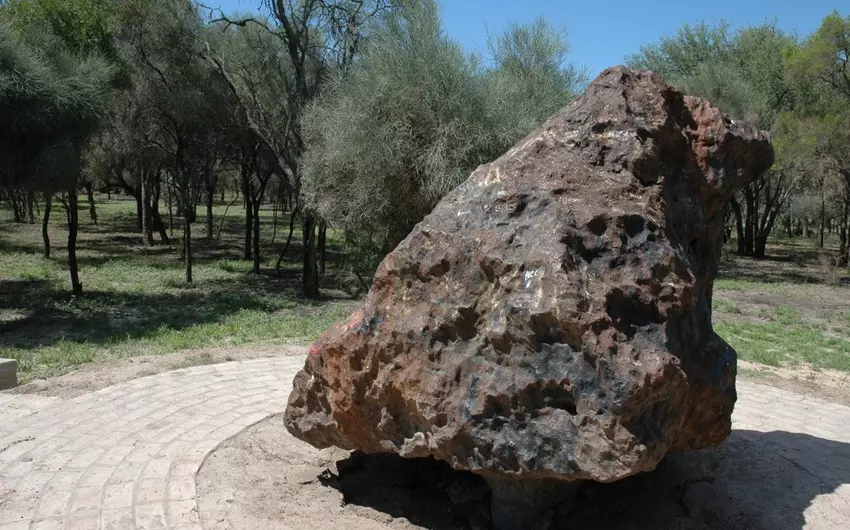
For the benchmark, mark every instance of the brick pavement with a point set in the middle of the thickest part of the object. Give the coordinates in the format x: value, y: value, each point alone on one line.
x: 126, y: 457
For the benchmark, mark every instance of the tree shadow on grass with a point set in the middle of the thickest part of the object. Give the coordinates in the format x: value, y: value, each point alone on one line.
x: 788, y: 262
x: 755, y: 480
x: 134, y: 296
x: 10, y: 246
x: 46, y: 315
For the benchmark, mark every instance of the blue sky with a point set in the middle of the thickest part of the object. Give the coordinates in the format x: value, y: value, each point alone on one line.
x: 604, y: 32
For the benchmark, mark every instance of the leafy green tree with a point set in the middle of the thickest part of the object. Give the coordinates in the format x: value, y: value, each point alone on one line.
x: 317, y: 38
x: 414, y: 115
x: 398, y: 130
x: 185, y: 103
x: 54, y: 99
x: 824, y: 58
x: 743, y: 72
x: 677, y: 58
x: 530, y: 79
x: 82, y: 25
x: 819, y: 71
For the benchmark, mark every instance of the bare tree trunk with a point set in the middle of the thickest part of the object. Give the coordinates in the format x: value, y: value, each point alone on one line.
x: 256, y: 202
x: 156, y: 218
x: 48, y: 203
x: 771, y: 193
x: 323, y: 233
x: 170, y: 193
x: 751, y: 204
x: 147, y: 233
x: 274, y: 219
x: 822, y: 219
x: 739, y: 226
x: 256, y: 236
x: 13, y: 200
x: 20, y: 207
x: 760, y: 247
x: 249, y: 210
x: 210, y: 232
x: 187, y: 248
x: 90, y: 197
x: 137, y: 194
x: 31, y: 205
x: 310, y: 270
x: 223, y: 217
x: 288, y: 240
x: 844, y: 251
x: 73, y: 224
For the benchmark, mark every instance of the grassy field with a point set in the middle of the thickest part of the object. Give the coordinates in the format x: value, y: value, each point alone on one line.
x: 136, y: 301
x: 792, y: 308
x: 789, y: 309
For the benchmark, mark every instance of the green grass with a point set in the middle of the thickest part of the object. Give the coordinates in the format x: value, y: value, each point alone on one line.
x: 788, y: 337
x: 136, y: 301
x: 777, y: 344
x: 786, y: 316
x: 722, y: 306
x: 786, y: 310
x: 135, y: 298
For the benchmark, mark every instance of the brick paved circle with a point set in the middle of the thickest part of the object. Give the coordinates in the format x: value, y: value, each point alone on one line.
x: 126, y: 457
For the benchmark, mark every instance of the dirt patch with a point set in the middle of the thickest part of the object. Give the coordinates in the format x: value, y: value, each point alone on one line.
x: 94, y: 376
x: 263, y: 479
x: 813, y: 302
x: 829, y: 385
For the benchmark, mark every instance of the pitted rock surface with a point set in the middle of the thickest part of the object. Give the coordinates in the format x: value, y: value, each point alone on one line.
x: 551, y: 318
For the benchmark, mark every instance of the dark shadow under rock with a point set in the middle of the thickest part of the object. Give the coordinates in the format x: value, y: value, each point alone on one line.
x: 263, y: 479
x: 423, y: 490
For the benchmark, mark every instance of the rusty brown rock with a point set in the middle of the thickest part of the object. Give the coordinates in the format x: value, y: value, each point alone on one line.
x: 551, y: 318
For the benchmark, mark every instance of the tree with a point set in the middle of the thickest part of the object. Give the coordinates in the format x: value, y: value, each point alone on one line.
x: 123, y: 156
x: 55, y: 99
x: 743, y: 73
x: 258, y: 70
x: 824, y: 58
x: 187, y: 103
x: 819, y: 70
x: 415, y: 115
x: 317, y: 37
x: 530, y: 79
x: 677, y: 58
x: 81, y: 25
x: 397, y: 131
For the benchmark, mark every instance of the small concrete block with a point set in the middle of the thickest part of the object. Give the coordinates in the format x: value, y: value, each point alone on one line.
x: 8, y: 373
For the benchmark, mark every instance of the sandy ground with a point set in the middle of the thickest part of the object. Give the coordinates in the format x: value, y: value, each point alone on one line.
x: 263, y: 477
x: 829, y: 385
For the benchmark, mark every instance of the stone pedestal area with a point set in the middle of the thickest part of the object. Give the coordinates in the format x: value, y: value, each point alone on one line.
x: 8, y: 373
x: 550, y: 320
